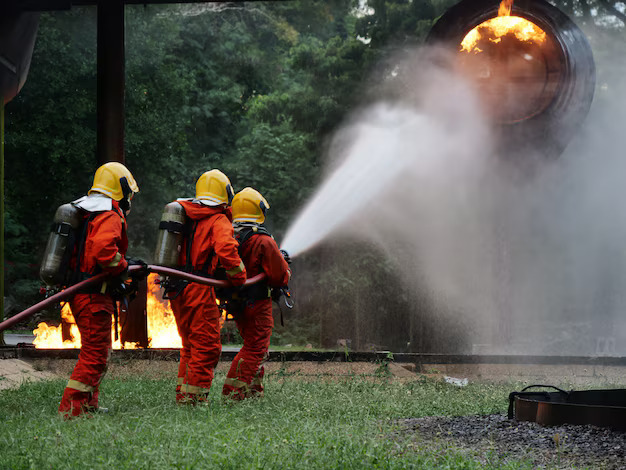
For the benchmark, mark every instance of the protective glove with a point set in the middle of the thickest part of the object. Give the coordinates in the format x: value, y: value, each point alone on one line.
x: 286, y: 256
x: 120, y: 289
x: 220, y: 273
x: 140, y: 273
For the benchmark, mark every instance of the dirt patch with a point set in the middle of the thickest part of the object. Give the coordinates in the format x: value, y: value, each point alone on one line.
x: 14, y: 372
x: 564, y: 446
x: 12, y: 375
x: 339, y: 369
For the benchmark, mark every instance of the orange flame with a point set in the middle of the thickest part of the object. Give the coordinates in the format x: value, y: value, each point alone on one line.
x: 51, y: 337
x: 495, y: 29
x: 505, y: 8
x: 162, y: 329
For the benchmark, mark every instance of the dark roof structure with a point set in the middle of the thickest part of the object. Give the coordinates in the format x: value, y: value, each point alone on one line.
x: 18, y: 30
x: 50, y: 5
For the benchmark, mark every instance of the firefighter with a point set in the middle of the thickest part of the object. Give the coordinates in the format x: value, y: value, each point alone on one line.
x: 101, y: 248
x: 260, y: 254
x: 209, y: 242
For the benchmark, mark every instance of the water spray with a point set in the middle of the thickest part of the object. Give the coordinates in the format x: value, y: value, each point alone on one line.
x: 364, y: 175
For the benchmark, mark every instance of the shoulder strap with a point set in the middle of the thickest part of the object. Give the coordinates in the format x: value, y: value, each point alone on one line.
x: 190, y: 238
x: 245, y: 233
x: 82, y: 239
x: 204, y: 270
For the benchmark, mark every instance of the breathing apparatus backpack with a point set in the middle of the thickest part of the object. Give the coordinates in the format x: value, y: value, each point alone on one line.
x: 67, y: 241
x: 66, y: 225
x: 235, y: 300
x: 174, y: 229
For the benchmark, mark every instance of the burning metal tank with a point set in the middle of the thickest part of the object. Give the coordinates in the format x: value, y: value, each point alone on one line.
x: 532, y: 66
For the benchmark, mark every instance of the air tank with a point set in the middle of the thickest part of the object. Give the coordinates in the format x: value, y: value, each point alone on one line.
x: 171, y: 236
x: 56, y: 258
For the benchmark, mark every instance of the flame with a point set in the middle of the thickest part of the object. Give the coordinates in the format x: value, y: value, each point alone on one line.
x: 505, y: 8
x: 162, y: 329
x: 51, y: 337
x: 495, y: 29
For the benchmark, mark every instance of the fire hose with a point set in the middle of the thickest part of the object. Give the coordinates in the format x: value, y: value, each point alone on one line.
x: 70, y: 291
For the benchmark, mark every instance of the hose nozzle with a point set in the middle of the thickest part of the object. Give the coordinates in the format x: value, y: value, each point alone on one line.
x: 286, y: 256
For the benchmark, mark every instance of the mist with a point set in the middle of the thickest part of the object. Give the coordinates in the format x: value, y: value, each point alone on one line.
x: 527, y: 257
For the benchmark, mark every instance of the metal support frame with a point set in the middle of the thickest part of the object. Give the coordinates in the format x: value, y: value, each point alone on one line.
x: 51, y: 5
x: 110, y: 138
x: 1, y: 215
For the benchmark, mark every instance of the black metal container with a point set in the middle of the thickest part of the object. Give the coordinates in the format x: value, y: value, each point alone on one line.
x: 603, y: 408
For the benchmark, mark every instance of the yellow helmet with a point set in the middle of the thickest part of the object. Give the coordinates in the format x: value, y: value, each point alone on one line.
x: 214, y: 187
x: 249, y: 206
x: 114, y: 180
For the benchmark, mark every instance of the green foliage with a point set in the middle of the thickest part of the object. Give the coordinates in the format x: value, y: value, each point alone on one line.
x: 277, y: 161
x: 250, y: 89
x: 146, y: 429
x: 50, y: 128
x: 298, y: 331
x: 400, y: 21
x: 158, y: 115
x: 230, y: 334
x: 220, y: 87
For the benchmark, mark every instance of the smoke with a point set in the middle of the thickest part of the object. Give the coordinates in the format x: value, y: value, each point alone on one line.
x: 533, y: 260
x: 404, y: 173
x: 392, y: 145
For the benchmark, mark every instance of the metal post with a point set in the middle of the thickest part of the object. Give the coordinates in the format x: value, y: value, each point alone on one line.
x: 357, y: 322
x: 1, y: 216
x: 110, y: 138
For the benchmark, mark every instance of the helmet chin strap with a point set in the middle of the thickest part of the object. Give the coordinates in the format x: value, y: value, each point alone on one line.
x: 127, y: 193
x: 230, y: 193
x: 125, y: 206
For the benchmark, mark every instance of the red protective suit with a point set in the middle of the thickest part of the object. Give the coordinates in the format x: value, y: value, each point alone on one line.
x: 195, y: 309
x: 260, y: 254
x: 105, y: 246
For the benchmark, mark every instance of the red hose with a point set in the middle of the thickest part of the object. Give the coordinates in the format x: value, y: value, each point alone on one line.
x: 207, y: 281
x: 70, y: 291
x: 53, y: 299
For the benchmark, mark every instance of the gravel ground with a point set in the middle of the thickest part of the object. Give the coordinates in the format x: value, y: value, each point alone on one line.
x: 564, y: 446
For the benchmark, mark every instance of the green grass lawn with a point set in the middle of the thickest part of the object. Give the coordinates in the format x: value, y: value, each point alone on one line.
x: 312, y: 424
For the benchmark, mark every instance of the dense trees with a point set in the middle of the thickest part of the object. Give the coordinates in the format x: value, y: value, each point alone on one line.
x: 252, y: 89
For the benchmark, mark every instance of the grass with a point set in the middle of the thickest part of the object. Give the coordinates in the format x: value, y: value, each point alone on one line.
x: 310, y: 424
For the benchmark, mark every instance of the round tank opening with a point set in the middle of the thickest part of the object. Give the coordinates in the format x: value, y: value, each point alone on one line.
x: 516, y: 66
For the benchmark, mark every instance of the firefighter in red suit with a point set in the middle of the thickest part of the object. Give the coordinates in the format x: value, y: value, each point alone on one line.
x: 101, y: 248
x: 260, y: 254
x: 210, y: 242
